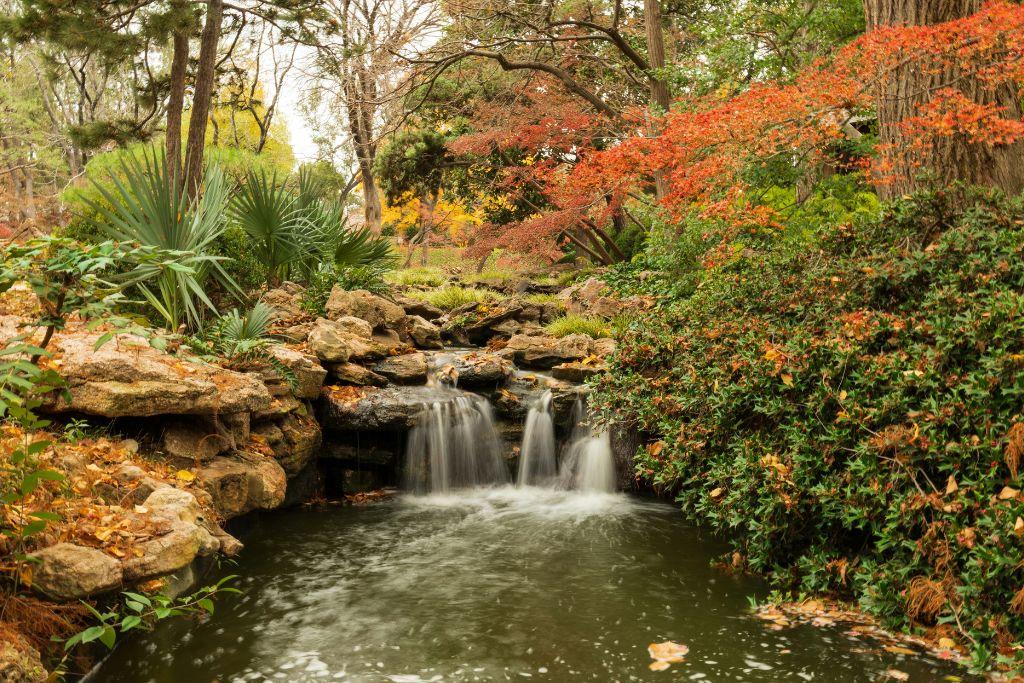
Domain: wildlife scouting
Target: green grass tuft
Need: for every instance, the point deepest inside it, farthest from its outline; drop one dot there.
(417, 277)
(453, 296)
(579, 324)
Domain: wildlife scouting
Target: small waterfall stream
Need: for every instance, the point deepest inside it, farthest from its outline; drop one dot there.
(537, 456)
(454, 445)
(587, 463)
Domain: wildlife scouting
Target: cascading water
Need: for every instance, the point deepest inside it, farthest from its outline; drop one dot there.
(454, 445)
(537, 456)
(587, 462)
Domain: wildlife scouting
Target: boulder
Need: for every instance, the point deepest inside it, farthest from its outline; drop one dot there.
(66, 571)
(307, 372)
(424, 334)
(535, 351)
(332, 343)
(577, 372)
(370, 409)
(194, 440)
(286, 300)
(356, 326)
(126, 377)
(604, 347)
(357, 375)
(477, 371)
(294, 441)
(19, 661)
(474, 323)
(242, 483)
(419, 308)
(279, 407)
(410, 368)
(376, 310)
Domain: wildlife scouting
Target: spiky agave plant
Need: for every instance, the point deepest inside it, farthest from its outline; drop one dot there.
(243, 339)
(149, 207)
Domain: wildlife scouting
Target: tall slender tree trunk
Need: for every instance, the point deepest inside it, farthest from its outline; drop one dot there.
(428, 207)
(953, 158)
(372, 208)
(656, 59)
(176, 101)
(201, 100)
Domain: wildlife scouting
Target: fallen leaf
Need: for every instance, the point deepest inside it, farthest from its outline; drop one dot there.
(668, 651)
(899, 650)
(951, 486)
(185, 475)
(897, 675)
(1018, 527)
(1008, 493)
(659, 665)
(787, 379)
(949, 643)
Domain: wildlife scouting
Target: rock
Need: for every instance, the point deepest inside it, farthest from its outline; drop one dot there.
(357, 375)
(376, 310)
(356, 326)
(183, 534)
(294, 441)
(357, 409)
(307, 372)
(19, 661)
(577, 372)
(296, 334)
(126, 377)
(507, 328)
(279, 407)
(361, 481)
(545, 352)
(604, 347)
(70, 572)
(474, 323)
(410, 368)
(242, 483)
(286, 300)
(333, 344)
(194, 440)
(480, 370)
(367, 454)
(590, 298)
(423, 333)
(419, 308)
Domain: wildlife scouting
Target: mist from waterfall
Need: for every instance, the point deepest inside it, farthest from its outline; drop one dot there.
(587, 462)
(537, 466)
(454, 444)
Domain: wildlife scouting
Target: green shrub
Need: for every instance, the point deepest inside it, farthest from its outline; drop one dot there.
(578, 324)
(453, 296)
(544, 299)
(319, 286)
(848, 415)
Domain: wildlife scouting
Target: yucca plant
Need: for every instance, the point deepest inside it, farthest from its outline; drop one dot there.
(149, 207)
(273, 217)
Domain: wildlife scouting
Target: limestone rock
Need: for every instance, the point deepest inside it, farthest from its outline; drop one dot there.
(356, 326)
(410, 368)
(309, 374)
(294, 441)
(192, 440)
(376, 310)
(333, 344)
(419, 308)
(357, 375)
(126, 377)
(69, 572)
(371, 409)
(534, 351)
(286, 300)
(577, 372)
(242, 483)
(474, 323)
(19, 661)
(478, 370)
(424, 334)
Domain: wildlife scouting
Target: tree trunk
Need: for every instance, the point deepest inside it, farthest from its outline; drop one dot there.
(656, 58)
(427, 207)
(900, 95)
(372, 209)
(176, 102)
(205, 78)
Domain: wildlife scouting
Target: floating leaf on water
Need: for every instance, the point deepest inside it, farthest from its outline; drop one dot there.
(667, 653)
(899, 650)
(659, 665)
(897, 675)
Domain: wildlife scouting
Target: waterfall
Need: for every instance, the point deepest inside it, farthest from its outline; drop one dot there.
(537, 455)
(587, 462)
(454, 445)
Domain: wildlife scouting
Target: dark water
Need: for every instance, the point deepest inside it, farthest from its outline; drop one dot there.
(501, 585)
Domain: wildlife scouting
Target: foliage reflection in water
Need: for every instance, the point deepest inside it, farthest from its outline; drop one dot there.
(491, 585)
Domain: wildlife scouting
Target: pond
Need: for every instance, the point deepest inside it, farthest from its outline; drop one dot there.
(498, 584)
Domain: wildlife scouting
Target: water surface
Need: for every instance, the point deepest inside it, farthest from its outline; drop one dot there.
(491, 585)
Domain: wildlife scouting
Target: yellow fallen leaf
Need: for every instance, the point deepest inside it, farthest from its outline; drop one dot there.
(948, 643)
(185, 475)
(716, 493)
(951, 486)
(668, 651)
(897, 675)
(843, 395)
(899, 650)
(1018, 527)
(787, 379)
(1008, 493)
(659, 665)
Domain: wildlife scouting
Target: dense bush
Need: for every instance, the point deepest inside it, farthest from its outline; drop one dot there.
(850, 415)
